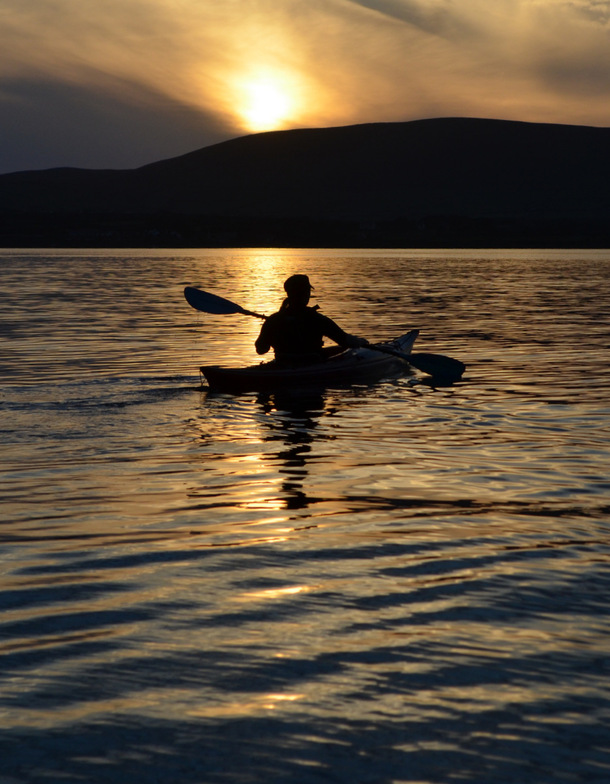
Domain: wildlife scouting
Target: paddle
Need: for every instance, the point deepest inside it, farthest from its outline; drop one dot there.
(211, 303)
(437, 365)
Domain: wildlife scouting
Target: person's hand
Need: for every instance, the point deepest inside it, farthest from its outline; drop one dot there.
(356, 342)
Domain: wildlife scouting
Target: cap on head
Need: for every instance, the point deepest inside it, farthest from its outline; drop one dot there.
(297, 285)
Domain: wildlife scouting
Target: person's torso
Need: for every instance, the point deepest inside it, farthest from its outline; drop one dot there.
(298, 331)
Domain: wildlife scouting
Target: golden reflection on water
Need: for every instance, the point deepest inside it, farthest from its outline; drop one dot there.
(146, 703)
(247, 706)
(382, 563)
(276, 593)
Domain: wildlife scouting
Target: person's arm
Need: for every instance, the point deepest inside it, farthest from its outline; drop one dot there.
(344, 339)
(353, 341)
(262, 343)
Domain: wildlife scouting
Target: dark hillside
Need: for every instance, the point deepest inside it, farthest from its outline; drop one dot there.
(461, 178)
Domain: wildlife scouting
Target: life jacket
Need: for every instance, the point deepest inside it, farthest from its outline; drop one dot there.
(296, 331)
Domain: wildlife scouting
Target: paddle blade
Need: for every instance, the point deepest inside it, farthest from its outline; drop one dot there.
(437, 365)
(210, 303)
(446, 369)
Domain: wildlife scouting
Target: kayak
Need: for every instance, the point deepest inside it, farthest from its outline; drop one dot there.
(340, 368)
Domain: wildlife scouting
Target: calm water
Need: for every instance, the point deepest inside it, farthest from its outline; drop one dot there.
(398, 583)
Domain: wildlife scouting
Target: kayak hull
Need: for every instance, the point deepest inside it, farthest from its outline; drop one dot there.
(345, 368)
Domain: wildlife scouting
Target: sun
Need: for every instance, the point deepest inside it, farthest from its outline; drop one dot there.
(267, 104)
(267, 98)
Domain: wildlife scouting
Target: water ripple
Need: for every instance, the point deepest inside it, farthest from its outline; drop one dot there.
(402, 582)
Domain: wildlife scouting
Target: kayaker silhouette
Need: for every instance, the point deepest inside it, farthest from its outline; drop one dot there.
(297, 331)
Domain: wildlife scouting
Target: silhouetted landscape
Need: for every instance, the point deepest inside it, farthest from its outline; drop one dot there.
(427, 183)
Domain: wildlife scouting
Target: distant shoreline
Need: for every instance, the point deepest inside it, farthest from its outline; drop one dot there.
(175, 231)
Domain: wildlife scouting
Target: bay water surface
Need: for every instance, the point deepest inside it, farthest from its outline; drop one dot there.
(400, 582)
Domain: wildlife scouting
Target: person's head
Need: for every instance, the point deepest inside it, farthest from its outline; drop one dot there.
(298, 288)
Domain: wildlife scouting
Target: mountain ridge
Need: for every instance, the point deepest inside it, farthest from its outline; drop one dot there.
(463, 169)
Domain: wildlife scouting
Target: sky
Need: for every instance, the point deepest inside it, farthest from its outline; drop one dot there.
(122, 83)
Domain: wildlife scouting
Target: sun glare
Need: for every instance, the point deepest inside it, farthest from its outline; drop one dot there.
(264, 98)
(267, 105)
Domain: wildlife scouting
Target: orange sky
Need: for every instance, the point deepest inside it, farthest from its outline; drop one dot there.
(119, 83)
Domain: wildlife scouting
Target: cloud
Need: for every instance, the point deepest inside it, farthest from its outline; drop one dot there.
(108, 84)
(597, 10)
(47, 124)
(565, 48)
(548, 48)
(438, 17)
(152, 42)
(127, 74)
